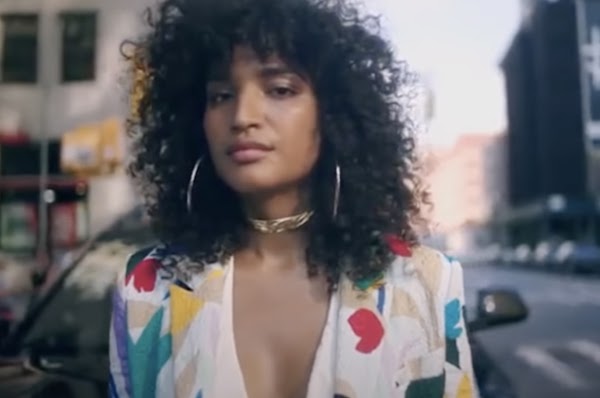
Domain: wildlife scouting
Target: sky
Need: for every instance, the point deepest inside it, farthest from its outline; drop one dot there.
(457, 45)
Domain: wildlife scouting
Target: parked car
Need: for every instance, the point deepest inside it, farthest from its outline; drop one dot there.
(546, 252)
(61, 347)
(523, 255)
(507, 256)
(578, 257)
(7, 318)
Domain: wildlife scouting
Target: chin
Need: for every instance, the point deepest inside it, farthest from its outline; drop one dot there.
(249, 183)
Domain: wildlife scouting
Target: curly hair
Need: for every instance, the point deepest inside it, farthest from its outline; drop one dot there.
(362, 118)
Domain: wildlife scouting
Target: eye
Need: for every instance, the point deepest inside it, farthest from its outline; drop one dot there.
(219, 97)
(282, 92)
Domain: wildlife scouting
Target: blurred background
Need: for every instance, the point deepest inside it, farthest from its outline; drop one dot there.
(510, 110)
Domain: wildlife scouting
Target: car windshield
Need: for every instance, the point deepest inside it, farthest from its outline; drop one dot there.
(77, 318)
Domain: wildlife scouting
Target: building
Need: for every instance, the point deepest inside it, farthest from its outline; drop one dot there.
(61, 70)
(548, 158)
(467, 185)
(61, 66)
(544, 106)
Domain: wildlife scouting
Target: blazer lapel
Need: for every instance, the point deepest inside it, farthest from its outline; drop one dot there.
(362, 317)
(388, 334)
(195, 313)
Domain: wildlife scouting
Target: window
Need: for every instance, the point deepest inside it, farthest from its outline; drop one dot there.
(24, 159)
(20, 46)
(78, 46)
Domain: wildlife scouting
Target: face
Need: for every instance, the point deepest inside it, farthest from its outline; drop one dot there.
(261, 125)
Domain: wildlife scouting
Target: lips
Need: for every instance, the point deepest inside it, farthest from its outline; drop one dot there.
(248, 152)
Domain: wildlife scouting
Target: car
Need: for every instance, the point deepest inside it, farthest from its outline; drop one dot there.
(496, 306)
(60, 349)
(7, 318)
(578, 257)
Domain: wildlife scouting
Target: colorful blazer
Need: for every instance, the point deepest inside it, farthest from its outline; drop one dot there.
(400, 335)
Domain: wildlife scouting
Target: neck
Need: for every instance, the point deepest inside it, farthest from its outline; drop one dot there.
(288, 246)
(270, 207)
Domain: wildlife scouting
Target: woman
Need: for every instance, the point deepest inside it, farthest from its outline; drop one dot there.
(280, 176)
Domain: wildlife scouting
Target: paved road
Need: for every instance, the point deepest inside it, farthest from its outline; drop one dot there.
(556, 352)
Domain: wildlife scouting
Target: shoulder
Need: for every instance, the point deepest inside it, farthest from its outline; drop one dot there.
(150, 272)
(147, 273)
(136, 258)
(430, 267)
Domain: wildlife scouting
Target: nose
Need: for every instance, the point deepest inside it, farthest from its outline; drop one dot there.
(248, 110)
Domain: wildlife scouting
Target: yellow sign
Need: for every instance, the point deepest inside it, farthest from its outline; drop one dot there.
(93, 149)
(113, 144)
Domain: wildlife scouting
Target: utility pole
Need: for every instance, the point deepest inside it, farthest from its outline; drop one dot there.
(45, 87)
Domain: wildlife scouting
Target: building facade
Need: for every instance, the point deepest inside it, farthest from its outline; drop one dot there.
(60, 69)
(65, 68)
(549, 160)
(467, 184)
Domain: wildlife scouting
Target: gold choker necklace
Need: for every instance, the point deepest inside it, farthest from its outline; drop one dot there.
(279, 225)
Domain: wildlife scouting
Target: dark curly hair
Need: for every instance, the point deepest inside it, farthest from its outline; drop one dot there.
(362, 118)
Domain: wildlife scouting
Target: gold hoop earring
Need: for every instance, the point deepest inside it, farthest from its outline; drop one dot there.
(191, 183)
(336, 192)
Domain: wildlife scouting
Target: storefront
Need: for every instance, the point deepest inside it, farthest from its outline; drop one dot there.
(65, 196)
(85, 188)
(68, 218)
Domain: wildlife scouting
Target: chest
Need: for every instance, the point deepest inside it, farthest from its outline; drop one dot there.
(289, 341)
(277, 323)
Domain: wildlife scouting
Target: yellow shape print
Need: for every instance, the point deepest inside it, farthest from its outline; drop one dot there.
(465, 389)
(184, 307)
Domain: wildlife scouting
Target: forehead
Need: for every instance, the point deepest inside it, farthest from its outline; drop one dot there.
(242, 55)
(244, 61)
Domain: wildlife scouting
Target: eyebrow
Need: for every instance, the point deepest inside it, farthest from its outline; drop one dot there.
(267, 71)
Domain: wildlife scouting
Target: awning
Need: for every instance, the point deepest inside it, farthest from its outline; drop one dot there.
(33, 182)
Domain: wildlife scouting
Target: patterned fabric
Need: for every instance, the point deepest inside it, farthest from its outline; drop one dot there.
(398, 335)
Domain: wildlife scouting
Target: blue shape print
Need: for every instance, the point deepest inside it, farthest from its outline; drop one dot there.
(452, 315)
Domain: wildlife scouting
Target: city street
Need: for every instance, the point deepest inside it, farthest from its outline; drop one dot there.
(556, 352)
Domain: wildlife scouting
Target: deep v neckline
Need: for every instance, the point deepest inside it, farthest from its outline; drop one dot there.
(229, 376)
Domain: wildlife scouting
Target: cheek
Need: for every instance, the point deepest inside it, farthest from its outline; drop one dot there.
(303, 151)
(211, 126)
(208, 125)
(301, 127)
(308, 144)
(315, 147)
